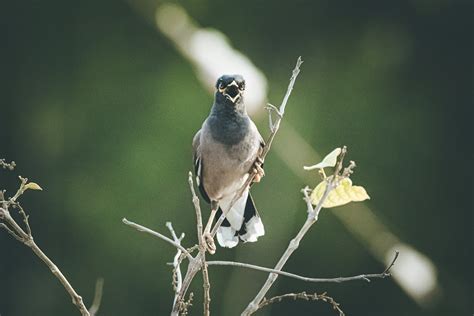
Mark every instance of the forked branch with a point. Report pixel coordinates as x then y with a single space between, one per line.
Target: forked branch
25 236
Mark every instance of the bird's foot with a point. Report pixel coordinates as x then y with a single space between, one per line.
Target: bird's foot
258 170
208 243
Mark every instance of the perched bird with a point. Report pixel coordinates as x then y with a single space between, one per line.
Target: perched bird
226 151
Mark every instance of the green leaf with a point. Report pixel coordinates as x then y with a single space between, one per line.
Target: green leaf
344 193
329 161
32 186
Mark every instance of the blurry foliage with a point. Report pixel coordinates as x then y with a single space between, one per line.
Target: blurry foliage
100 109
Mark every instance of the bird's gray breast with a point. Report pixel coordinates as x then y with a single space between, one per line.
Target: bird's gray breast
228 154
228 130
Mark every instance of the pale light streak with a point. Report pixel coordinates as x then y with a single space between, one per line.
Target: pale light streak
211 54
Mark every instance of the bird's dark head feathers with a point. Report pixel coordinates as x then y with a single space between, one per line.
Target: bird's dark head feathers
230 87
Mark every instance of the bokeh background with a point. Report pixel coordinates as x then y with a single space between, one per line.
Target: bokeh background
100 101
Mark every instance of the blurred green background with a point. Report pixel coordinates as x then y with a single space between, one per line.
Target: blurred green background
99 108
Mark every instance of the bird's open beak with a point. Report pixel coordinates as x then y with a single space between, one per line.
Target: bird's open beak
231 91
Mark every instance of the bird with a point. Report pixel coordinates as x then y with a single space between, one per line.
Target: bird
226 151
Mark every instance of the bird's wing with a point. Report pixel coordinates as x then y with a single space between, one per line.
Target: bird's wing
198 165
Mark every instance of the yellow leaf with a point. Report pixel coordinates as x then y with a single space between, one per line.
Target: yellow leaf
329 161
32 186
344 193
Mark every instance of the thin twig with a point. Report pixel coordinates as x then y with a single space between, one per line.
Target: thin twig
194 266
156 234
267 146
26 238
205 273
363 277
25 218
99 290
206 287
197 207
20 190
76 298
11 232
184 305
177 276
387 271
303 296
5 165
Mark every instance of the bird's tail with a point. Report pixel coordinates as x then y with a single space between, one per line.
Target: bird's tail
242 222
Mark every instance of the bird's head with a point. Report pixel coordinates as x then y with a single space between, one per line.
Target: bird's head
230 87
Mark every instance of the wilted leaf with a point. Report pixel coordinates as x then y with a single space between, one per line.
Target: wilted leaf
32 186
344 193
328 161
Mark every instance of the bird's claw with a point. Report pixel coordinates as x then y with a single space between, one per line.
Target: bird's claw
208 242
258 170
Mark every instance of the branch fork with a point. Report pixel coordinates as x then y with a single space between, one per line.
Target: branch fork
25 236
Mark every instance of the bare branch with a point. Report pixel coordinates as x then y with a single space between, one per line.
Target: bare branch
25 218
99 290
156 234
303 296
296 72
363 277
205 273
26 238
387 271
193 268
206 287
184 305
76 298
197 207
5 165
21 189
177 276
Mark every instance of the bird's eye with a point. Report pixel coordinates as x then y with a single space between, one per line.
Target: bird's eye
242 86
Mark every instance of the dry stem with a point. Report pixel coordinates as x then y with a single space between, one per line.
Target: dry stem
361 277
144 229
303 296
177 276
26 238
202 249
